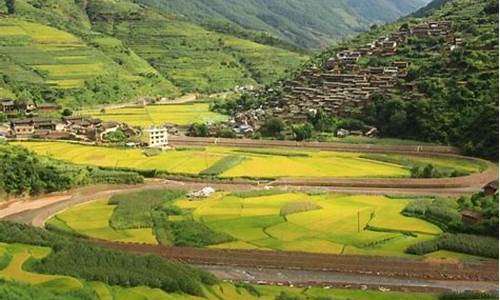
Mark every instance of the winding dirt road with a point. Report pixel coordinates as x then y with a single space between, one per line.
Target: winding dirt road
271 267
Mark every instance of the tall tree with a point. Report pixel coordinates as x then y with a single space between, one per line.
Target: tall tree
11 6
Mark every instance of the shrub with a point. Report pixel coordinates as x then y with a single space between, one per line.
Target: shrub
463 243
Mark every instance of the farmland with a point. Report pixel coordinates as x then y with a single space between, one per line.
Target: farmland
329 224
179 114
13 258
323 223
96 224
271 163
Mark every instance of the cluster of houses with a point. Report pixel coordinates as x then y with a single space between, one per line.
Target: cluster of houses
345 83
66 128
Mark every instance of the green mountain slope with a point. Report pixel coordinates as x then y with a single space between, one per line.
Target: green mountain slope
449 94
103 51
308 24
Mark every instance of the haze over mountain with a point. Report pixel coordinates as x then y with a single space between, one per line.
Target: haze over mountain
308 24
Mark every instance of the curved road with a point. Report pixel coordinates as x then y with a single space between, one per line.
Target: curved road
279 268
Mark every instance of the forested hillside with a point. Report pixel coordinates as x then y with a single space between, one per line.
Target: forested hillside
308 24
433 79
100 51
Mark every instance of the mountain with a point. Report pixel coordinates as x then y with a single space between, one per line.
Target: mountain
85 52
308 24
433 79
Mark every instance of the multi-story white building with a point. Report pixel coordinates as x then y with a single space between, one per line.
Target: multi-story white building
157 137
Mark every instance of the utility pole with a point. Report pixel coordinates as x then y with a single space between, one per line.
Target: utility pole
359 224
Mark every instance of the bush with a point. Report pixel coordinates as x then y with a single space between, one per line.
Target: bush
303 132
467 295
272 127
463 243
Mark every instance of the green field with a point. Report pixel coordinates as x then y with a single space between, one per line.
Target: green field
179 114
328 224
325 223
256 163
16 256
92 220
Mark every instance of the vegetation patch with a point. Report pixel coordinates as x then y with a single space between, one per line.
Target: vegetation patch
91 263
298 207
223 165
272 152
257 193
463 243
134 209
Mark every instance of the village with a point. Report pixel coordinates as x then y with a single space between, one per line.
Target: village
344 84
75 128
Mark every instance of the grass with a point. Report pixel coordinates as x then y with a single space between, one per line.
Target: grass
223 165
92 220
179 114
258 222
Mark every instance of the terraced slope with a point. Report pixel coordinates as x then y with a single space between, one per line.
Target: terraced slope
309 24
102 51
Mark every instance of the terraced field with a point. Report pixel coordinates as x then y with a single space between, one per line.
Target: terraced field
179 114
36 53
320 223
256 163
15 257
325 223
92 220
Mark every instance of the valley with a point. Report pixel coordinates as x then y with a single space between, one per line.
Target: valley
281 150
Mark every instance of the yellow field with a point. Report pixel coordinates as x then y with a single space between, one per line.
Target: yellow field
316 164
256 223
180 114
92 220
20 255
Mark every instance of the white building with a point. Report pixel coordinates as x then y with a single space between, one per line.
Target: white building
157 137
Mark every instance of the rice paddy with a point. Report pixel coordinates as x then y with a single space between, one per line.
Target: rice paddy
179 114
271 163
223 291
334 223
92 220
20 254
324 223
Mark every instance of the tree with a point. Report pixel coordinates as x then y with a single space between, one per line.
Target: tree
199 129
67 112
303 132
272 127
11 6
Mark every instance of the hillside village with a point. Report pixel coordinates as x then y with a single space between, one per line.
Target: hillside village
345 83
34 126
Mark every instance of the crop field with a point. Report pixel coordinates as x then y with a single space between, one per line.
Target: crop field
179 114
323 223
55 57
16 255
19 254
326 223
256 163
93 219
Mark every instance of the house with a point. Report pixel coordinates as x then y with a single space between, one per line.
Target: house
203 193
491 188
7 106
157 137
5 129
471 216
23 127
47 107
